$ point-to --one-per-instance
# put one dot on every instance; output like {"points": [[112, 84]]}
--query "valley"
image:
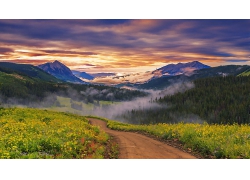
{"points": [[143, 98], [182, 109]]}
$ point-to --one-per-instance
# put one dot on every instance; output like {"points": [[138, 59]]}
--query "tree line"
{"points": [[216, 100], [25, 89]]}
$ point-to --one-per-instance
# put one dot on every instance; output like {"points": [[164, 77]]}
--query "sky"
{"points": [[125, 45]]}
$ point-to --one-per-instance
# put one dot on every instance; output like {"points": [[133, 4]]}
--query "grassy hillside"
{"points": [[16, 88], [245, 73], [33, 133], [28, 70], [9, 83]]}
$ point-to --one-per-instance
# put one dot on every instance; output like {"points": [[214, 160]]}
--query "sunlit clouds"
{"points": [[124, 45]]}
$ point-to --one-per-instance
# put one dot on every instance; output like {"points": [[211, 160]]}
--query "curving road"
{"points": [[137, 146]]}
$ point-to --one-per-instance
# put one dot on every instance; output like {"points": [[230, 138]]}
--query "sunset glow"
{"points": [[124, 45]]}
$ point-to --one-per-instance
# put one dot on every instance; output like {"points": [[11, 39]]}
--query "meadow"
{"points": [[34, 133], [211, 141], [64, 104]]}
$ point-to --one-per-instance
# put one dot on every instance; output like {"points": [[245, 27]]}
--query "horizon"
{"points": [[119, 73], [125, 46]]}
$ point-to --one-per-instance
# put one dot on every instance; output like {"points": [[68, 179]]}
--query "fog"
{"points": [[114, 110]]}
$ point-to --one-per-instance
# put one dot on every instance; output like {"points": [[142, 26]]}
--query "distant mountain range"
{"points": [[60, 71], [164, 81], [158, 79], [186, 69], [180, 68]]}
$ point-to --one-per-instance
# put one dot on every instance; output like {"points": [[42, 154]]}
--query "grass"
{"points": [[65, 106], [87, 108], [64, 101], [33, 133], [212, 141], [245, 73]]}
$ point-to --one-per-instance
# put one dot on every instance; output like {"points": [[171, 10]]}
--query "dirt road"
{"points": [[137, 146]]}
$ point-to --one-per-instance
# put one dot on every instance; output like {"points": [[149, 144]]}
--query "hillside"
{"points": [[170, 70], [180, 68], [245, 73], [60, 71], [41, 134], [16, 88], [83, 75], [220, 100], [163, 82], [28, 70]]}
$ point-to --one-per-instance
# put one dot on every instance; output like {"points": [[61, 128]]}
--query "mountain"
{"points": [[186, 69], [60, 71], [180, 68], [95, 75], [83, 75], [27, 70], [164, 81], [19, 88]]}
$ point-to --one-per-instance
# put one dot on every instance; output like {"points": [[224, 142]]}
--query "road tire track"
{"points": [[138, 146]]}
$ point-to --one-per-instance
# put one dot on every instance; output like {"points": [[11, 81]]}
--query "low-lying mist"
{"points": [[114, 110]]}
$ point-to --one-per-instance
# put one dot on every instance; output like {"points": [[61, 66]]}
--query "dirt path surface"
{"points": [[137, 146]]}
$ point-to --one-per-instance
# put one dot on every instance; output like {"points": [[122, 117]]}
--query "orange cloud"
{"points": [[132, 45]]}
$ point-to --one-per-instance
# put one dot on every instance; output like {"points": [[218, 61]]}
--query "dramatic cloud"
{"points": [[5, 50], [238, 60], [135, 45]]}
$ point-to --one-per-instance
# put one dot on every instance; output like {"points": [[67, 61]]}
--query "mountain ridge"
{"points": [[83, 75], [186, 69], [28, 70], [164, 81], [180, 68], [60, 71]]}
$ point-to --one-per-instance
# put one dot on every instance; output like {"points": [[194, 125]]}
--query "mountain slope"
{"points": [[245, 73], [28, 70], [18, 88], [180, 68], [83, 75], [102, 74], [164, 81], [60, 71], [143, 77]]}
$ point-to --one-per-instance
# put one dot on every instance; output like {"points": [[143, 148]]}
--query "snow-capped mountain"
{"points": [[60, 71]]}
